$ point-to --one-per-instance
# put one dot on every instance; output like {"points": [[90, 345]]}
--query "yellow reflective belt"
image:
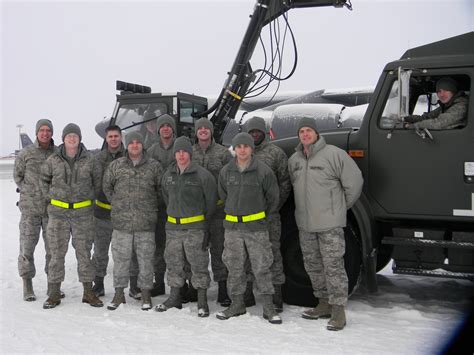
{"points": [[69, 205], [245, 219], [186, 220], [103, 205], [220, 202]]}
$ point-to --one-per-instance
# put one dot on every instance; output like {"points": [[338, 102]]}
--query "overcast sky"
{"points": [[60, 59]]}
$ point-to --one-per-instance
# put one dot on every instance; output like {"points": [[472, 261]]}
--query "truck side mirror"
{"points": [[404, 92]]}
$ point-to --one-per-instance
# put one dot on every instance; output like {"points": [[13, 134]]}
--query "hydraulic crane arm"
{"points": [[240, 76]]}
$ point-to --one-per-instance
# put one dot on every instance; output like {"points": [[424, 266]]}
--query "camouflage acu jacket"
{"points": [[213, 158], [276, 160], [104, 158], [134, 192], [71, 183], [446, 116], [26, 173]]}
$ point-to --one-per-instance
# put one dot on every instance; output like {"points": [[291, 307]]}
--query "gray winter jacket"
{"points": [[71, 180], [190, 194], [134, 192], [326, 184], [249, 192], [26, 173]]}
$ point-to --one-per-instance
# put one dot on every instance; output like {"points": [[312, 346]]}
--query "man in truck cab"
{"points": [[452, 110], [326, 183]]}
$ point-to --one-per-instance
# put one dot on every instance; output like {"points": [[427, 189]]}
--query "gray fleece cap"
{"points": [[307, 122], [183, 143], [243, 138], [448, 84], [72, 128], [43, 122], [204, 122], [166, 119], [134, 136], [257, 123]]}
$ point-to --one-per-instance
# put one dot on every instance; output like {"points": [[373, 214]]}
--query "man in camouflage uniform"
{"points": [[276, 160], [250, 192], [190, 193], [70, 180], [452, 110], [162, 151], [326, 183], [212, 156], [112, 150], [132, 184], [34, 218]]}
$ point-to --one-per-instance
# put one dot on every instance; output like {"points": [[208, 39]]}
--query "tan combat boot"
{"points": [[173, 301], [269, 312], [146, 300], [28, 293], [203, 307], [89, 296], [338, 318], [237, 308], [322, 310], [118, 299], [54, 294]]}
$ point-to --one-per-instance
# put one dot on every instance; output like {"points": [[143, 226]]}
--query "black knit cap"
{"points": [[307, 122], [257, 123], [183, 143], [447, 83], [134, 136], [243, 138], [72, 128], [43, 122], [204, 122]]}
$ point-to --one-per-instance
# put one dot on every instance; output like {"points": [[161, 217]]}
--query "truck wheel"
{"points": [[384, 255], [297, 289]]}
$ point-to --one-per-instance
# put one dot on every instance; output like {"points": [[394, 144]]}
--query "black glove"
{"points": [[205, 240]]}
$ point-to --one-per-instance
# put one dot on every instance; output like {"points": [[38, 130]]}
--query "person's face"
{"points": [[203, 133], [243, 152], [182, 157], [113, 139], [71, 140], [44, 135], [135, 148], [166, 131], [151, 126], [444, 95], [257, 135], [307, 136]]}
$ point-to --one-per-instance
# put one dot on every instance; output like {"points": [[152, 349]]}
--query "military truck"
{"points": [[417, 206]]}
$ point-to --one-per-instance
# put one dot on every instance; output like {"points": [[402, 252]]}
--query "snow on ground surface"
{"points": [[408, 315]]}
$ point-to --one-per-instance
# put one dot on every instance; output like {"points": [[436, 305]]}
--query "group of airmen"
{"points": [[163, 208]]}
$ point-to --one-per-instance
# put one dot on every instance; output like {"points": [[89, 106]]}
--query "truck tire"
{"points": [[297, 289]]}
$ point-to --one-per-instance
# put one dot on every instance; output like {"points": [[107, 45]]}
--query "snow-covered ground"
{"points": [[409, 315]]}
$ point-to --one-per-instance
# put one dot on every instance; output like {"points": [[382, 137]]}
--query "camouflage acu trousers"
{"points": [[182, 245], [323, 256], [60, 229], [30, 228], [241, 245], [159, 264], [123, 246], [216, 244], [102, 238]]}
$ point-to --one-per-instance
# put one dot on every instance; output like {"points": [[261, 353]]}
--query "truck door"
{"points": [[411, 176]]}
